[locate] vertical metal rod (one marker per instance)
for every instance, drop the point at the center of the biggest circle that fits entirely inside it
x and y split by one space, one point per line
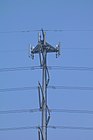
44 87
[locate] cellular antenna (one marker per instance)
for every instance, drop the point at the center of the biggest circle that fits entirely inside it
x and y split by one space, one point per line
42 48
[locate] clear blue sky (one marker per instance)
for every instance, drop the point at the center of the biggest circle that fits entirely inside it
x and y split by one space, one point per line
67 15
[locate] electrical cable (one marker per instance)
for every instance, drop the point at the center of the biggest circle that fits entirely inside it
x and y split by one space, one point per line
79 48
68 30
13 50
19 111
71 87
52 127
51 110
18 89
18 31
71 68
19 128
47 30
19 68
71 127
72 111
50 87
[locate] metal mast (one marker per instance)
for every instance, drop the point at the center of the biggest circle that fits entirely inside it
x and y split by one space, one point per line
42 49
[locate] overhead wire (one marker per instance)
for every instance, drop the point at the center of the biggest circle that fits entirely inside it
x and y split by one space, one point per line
47 30
72 111
71 87
51 110
18 89
68 30
18 128
19 68
51 126
71 127
50 87
12 50
71 68
19 111
18 31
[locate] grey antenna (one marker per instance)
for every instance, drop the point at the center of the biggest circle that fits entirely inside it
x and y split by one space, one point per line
39 37
31 51
58 50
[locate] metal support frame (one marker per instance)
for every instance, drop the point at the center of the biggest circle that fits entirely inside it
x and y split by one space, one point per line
42 49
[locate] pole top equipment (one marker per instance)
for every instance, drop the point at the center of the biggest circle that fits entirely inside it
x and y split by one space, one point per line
43 45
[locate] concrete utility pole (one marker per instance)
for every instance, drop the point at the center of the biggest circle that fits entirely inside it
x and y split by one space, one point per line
42 49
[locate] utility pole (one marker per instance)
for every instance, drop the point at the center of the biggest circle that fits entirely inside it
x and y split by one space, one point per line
42 49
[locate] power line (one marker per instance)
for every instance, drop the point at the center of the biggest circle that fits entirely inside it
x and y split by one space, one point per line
52 127
47 30
71 87
72 111
71 127
19 68
71 68
18 128
77 48
13 50
69 30
51 110
50 87
19 111
18 31
17 89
